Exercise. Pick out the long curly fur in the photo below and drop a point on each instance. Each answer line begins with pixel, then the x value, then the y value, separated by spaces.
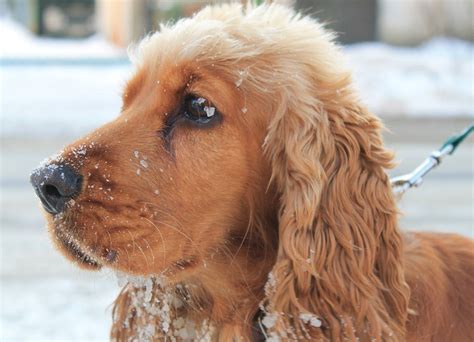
pixel 294 235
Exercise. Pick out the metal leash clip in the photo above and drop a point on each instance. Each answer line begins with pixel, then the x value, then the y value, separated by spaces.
pixel 402 183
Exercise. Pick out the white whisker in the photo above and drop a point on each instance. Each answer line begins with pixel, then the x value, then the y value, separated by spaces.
pixel 162 239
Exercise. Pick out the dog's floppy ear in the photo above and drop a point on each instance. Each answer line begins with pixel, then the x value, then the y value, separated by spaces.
pixel 338 272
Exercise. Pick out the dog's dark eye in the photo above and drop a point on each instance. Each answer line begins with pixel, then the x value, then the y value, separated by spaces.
pixel 199 110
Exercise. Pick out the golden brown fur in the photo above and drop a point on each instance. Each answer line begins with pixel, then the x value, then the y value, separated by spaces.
pixel 290 183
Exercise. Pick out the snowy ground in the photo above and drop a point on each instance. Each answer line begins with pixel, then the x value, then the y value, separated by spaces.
pixel 51 92
pixel 435 79
pixel 59 100
pixel 18 43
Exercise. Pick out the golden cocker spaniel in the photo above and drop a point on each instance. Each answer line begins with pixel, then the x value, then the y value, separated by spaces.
pixel 242 194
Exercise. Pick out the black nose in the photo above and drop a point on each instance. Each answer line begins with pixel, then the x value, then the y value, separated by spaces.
pixel 55 184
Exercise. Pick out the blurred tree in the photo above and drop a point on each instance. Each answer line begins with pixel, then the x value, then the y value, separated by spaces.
pixel 55 18
pixel 66 18
pixel 353 20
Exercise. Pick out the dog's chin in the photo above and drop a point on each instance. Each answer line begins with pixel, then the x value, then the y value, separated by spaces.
pixel 78 254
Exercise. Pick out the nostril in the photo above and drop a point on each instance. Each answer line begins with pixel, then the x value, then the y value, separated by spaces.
pixel 51 191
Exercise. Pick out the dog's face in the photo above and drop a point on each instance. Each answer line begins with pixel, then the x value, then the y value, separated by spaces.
pixel 179 180
pixel 167 184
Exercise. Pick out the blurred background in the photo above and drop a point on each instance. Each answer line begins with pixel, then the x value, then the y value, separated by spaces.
pixel 63 64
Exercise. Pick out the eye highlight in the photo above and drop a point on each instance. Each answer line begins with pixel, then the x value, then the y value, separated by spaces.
pixel 199 110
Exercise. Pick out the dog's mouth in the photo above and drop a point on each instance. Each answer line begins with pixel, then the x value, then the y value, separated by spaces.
pixel 73 249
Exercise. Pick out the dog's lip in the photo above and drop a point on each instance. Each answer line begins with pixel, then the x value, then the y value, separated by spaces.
pixel 74 249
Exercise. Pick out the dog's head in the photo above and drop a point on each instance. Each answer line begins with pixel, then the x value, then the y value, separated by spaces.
pixel 238 121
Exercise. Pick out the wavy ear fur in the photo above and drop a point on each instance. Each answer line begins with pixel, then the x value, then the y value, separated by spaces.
pixel 339 271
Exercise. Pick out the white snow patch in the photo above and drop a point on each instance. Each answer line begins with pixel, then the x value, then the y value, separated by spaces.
pixel 269 320
pixel 310 319
pixel 273 338
pixel 201 100
pixel 210 111
pixel 242 74
pixel 270 284
pixel 154 305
